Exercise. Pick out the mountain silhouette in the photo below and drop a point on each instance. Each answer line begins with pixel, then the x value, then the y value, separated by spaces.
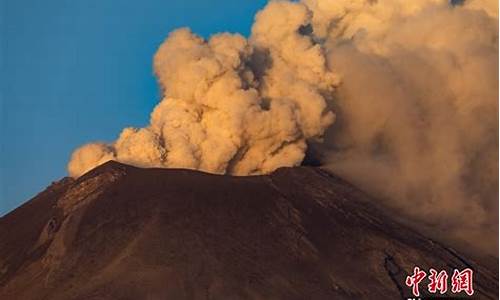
pixel 121 232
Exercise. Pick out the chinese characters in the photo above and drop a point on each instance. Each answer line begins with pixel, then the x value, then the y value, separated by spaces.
pixel 461 281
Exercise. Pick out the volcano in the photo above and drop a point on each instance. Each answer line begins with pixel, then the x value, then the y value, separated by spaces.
pixel 121 232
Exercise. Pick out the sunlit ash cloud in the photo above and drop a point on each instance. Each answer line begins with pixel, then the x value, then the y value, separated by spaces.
pixel 399 97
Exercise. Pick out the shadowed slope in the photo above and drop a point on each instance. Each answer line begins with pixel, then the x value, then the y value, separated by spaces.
pixel 120 232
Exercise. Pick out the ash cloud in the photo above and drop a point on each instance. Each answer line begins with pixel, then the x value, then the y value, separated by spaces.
pixel 399 97
pixel 230 105
pixel 418 110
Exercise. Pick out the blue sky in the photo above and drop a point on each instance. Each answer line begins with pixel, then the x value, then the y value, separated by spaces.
pixel 72 72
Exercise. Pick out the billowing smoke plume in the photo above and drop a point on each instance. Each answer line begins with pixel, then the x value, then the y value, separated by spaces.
pixel 413 85
pixel 231 105
pixel 417 109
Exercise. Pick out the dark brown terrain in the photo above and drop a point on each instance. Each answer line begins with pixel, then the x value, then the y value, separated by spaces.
pixel 121 232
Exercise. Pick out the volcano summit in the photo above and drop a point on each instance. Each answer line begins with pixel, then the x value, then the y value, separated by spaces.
pixel 121 232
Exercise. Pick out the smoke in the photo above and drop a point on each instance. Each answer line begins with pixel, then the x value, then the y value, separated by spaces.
pixel 230 105
pixel 417 109
pixel 413 85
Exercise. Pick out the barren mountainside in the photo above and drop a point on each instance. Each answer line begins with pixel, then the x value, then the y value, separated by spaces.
pixel 120 232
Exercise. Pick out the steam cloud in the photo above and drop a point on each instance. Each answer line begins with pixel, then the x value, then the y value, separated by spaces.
pixel 413 84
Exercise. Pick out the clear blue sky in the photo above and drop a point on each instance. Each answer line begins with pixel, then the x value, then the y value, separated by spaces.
pixel 78 71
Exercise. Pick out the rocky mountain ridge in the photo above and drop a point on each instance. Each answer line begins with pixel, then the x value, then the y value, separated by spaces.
pixel 120 232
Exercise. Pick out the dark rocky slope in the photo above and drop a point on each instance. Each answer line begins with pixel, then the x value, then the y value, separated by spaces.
pixel 121 232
